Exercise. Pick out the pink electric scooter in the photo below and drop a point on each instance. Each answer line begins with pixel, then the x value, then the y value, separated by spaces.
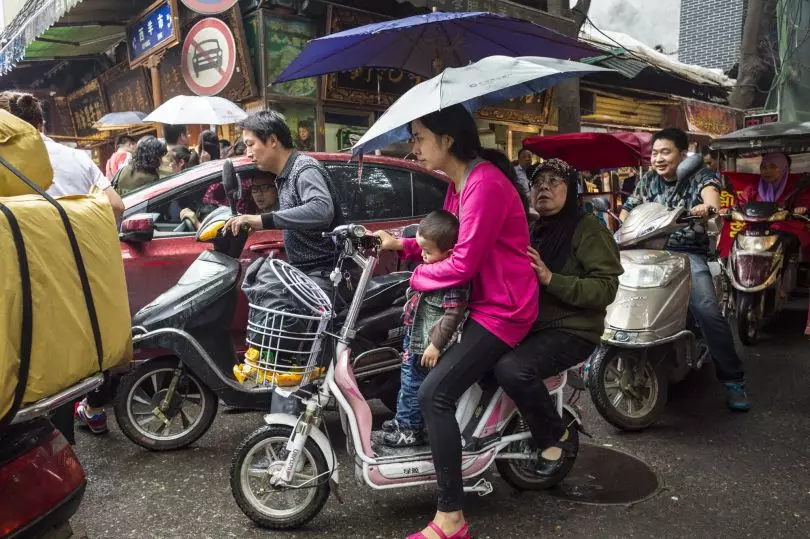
pixel 282 474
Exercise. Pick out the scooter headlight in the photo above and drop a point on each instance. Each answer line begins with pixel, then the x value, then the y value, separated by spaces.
pixel 652 275
pixel 757 243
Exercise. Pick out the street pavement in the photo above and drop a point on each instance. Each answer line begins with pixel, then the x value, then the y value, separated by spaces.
pixel 722 474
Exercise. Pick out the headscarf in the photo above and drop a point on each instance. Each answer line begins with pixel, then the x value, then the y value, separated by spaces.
pixel 553 235
pixel 769 192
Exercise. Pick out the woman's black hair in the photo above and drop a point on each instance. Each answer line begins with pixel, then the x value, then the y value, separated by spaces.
pixel 181 153
pixel 456 122
pixel 209 142
pixel 148 155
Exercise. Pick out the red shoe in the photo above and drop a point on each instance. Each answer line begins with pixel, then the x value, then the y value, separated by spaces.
pixel 463 533
pixel 97 423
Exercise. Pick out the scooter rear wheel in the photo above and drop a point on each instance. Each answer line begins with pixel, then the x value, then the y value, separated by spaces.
pixel 190 412
pixel 519 473
pixel 628 391
pixel 257 458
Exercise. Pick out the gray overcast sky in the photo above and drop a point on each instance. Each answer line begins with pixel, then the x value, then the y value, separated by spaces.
pixel 652 22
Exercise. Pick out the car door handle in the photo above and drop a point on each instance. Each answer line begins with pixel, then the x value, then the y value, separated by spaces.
pixel 264 247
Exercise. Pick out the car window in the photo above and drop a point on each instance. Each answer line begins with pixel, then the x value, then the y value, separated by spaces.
pixel 169 208
pixel 428 194
pixel 382 193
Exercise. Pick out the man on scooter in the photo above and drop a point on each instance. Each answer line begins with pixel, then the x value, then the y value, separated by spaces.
pixel 699 195
pixel 307 201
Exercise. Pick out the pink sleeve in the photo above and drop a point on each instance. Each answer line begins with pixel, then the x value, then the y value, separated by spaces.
pixel 410 249
pixel 483 214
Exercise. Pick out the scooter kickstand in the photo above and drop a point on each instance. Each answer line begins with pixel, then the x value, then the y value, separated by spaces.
pixel 482 487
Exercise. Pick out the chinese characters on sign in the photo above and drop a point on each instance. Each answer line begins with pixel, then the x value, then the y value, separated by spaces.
pixel 153 31
pixel 759 119
pixel 709 119
pixel 86 107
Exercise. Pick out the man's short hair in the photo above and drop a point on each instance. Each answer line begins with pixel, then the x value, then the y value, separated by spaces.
pixel 440 227
pixel 677 136
pixel 706 150
pixel 268 122
pixel 123 140
pixel 524 150
pixel 173 133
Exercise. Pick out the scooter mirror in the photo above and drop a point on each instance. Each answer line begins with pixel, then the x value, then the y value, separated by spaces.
pixel 689 166
pixel 600 204
pixel 231 183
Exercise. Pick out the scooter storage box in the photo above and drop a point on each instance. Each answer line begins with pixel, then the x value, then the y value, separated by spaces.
pixel 43 297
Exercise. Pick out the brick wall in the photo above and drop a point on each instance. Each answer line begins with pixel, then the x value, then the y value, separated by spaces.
pixel 710 32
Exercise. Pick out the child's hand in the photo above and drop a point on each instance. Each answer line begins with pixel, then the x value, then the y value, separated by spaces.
pixel 389 242
pixel 430 357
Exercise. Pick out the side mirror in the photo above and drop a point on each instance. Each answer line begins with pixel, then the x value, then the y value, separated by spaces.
pixel 410 231
pixel 231 183
pixel 139 228
pixel 689 166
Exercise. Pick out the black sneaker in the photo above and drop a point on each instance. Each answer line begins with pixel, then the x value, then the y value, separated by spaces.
pixel 390 425
pixel 404 437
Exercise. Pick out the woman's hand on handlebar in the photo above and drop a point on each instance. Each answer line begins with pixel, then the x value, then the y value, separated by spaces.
pixel 388 242
pixel 801 210
pixel 253 222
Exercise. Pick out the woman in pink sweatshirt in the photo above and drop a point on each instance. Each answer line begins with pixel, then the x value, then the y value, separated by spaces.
pixel 490 255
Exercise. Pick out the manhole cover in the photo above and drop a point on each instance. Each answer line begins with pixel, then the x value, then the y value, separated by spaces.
pixel 607 476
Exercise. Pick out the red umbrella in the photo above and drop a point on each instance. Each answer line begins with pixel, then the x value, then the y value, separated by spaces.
pixel 590 151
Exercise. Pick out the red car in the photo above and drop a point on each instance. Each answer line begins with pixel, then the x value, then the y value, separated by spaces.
pixel 392 193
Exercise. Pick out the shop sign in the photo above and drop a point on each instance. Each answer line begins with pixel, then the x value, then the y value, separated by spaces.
pixel 127 89
pixel 87 106
pixel 532 109
pixel 154 30
pixel 209 57
pixel 709 119
pixel 365 86
pixel 759 119
pixel 284 39
pixel 209 7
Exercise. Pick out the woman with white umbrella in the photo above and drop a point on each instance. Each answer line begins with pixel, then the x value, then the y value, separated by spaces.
pixel 490 255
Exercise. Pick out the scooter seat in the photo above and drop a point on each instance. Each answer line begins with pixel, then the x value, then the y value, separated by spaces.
pixel 385 290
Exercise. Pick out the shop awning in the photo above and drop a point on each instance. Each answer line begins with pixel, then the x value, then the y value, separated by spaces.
pixel 62 29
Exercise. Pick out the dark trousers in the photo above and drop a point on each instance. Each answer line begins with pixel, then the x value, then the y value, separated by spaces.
pixel 458 368
pixel 705 308
pixel 522 371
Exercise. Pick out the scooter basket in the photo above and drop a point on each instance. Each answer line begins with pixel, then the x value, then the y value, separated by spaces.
pixel 285 334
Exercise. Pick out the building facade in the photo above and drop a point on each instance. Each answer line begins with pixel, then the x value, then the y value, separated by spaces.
pixel 711 32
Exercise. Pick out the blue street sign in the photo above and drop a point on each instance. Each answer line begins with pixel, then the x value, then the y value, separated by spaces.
pixel 153 31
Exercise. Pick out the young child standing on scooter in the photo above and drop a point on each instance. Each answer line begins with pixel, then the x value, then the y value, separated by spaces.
pixel 433 321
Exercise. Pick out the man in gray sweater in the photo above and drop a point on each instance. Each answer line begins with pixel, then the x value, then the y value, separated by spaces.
pixel 308 202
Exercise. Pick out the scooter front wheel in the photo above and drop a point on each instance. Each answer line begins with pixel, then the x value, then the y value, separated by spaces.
pixel 281 507
pixel 519 473
pixel 630 392
pixel 141 411
pixel 748 319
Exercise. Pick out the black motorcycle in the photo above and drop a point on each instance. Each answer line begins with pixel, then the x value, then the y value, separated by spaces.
pixel 170 401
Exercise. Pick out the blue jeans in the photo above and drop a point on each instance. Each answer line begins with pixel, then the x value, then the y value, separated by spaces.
pixel 716 331
pixel 412 374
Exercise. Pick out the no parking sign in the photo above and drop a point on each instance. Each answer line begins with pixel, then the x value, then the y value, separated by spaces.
pixel 209 7
pixel 209 57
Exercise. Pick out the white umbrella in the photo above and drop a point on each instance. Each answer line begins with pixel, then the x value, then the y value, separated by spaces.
pixel 197 109
pixel 490 80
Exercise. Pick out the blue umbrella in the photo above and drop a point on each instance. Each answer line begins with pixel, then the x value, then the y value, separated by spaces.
pixel 487 81
pixel 425 44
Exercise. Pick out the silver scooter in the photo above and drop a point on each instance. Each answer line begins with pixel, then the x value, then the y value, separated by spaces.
pixel 650 337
